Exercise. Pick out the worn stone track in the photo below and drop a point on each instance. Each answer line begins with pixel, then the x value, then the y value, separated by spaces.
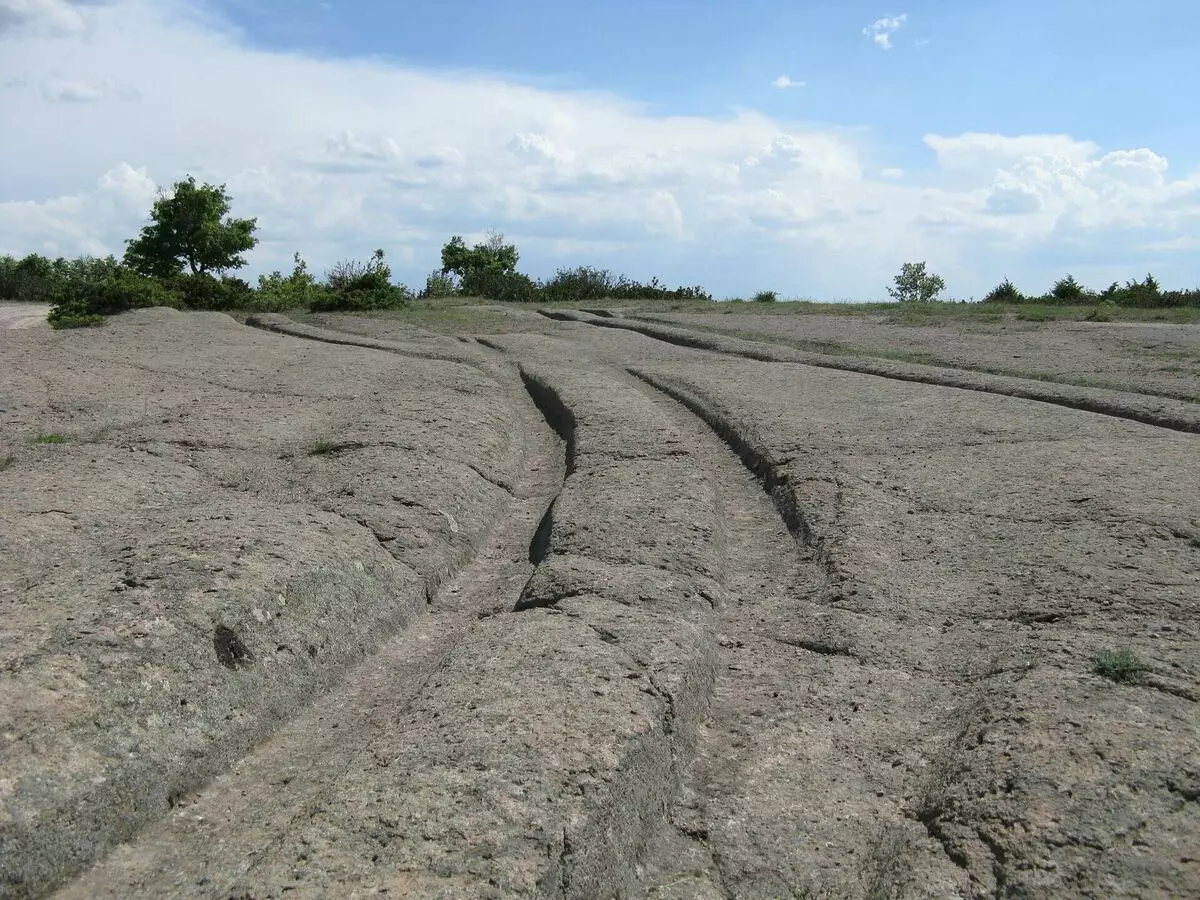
pixel 751 630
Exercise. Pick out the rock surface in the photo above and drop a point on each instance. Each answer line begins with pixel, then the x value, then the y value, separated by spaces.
pixel 602 616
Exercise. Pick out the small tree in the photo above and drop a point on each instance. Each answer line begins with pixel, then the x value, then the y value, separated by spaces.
pixel 915 285
pixel 492 255
pixel 190 228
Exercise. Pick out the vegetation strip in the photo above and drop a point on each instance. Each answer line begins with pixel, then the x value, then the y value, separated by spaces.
pixel 1174 415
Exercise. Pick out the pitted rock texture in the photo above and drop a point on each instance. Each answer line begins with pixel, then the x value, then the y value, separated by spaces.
pixel 681 623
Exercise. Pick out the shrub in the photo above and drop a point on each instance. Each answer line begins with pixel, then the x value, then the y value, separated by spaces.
pixel 355 285
pixel 93 289
pixel 1068 290
pixel 766 297
pixel 50 439
pixel 1004 292
pixel 581 284
pixel 439 284
pixel 915 285
pixel 1123 666
pixel 277 292
pixel 494 284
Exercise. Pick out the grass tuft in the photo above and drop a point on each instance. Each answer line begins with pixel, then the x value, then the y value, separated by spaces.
pixel 53 438
pixel 766 297
pixel 6 461
pixel 1122 666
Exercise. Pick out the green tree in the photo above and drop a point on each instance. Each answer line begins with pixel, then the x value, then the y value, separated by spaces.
pixel 190 228
pixel 492 255
pixel 915 285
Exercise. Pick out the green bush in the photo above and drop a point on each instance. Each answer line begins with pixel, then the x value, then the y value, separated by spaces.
pixel 93 289
pixel 501 286
pixel 1067 290
pixel 1123 666
pixel 1004 292
pixel 766 297
pixel 277 292
pixel 355 285
pixel 583 284
pixel 439 284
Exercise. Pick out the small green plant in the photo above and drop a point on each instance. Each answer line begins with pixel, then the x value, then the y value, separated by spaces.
pixel 915 285
pixel 766 297
pixel 1123 666
pixel 6 461
pixel 52 438
pixel 322 448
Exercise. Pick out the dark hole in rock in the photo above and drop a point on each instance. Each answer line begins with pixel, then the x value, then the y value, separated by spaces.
pixel 232 653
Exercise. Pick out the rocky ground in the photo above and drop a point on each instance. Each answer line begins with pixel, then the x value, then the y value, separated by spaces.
pixel 339 606
pixel 1149 357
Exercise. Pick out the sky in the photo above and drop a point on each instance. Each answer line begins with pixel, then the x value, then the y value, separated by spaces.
pixel 809 148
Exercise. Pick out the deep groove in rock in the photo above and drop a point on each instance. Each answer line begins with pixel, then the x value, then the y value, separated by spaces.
pixel 767 471
pixel 556 413
pixel 967 381
pixel 539 547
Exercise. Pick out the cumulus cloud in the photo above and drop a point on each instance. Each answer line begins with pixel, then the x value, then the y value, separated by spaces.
pixel 783 82
pixel 881 30
pixel 44 16
pixel 336 157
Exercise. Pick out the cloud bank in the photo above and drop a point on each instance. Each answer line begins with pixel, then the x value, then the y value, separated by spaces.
pixel 338 156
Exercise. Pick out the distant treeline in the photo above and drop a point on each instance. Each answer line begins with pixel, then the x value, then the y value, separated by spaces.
pixel 1067 291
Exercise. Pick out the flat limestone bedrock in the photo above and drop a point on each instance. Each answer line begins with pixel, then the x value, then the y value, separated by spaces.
pixel 990 547
pixel 1156 357
pixel 542 752
pixel 1178 415
pixel 180 574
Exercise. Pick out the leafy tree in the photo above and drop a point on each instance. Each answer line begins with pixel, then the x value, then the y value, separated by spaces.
pixel 915 285
pixel 191 228
pixel 492 255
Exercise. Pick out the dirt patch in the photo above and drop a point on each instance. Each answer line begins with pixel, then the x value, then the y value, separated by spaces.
pixel 21 316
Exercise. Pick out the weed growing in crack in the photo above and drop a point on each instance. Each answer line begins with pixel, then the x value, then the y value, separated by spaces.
pixel 53 438
pixel 328 448
pixel 1122 666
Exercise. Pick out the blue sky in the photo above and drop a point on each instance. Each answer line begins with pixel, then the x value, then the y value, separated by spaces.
pixel 808 147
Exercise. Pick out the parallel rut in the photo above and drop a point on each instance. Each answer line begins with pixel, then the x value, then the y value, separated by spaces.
pixel 224 841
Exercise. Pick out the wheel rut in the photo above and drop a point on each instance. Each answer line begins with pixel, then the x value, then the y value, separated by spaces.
pixel 783 796
pixel 229 837
pixel 1175 415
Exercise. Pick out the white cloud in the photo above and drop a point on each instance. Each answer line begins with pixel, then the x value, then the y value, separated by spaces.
pixel 75 91
pixel 881 30
pixel 783 82
pixel 336 157
pixel 45 16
